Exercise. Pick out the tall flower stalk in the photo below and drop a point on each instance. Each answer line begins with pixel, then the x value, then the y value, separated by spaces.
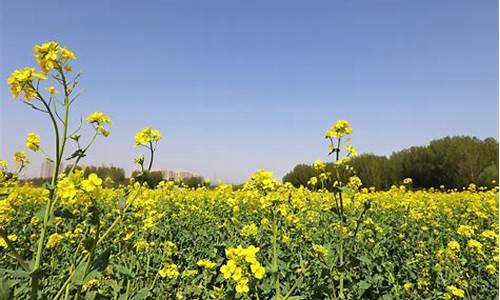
pixel 148 138
pixel 54 62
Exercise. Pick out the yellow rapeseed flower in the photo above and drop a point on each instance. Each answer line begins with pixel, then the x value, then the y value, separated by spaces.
pixel 207 264
pixel 21 81
pixel 98 118
pixel 454 291
pixel 319 250
pixel 54 240
pixel 169 271
pixel 339 129
pixel 33 141
pixel 21 158
pixel 147 135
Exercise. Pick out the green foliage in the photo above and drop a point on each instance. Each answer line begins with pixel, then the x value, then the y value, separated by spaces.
pixel 454 162
pixel 194 182
pixel 489 176
pixel 152 178
pixel 300 175
pixel 374 170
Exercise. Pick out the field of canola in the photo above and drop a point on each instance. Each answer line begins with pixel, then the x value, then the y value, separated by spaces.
pixel 265 240
pixel 75 238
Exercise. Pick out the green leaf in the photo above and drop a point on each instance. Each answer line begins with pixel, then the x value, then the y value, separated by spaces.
pixel 19 273
pixel 6 293
pixel 124 270
pixel 121 203
pixel 79 274
pixel 91 295
pixel 363 286
pixel 91 276
pixel 346 190
pixel 78 153
pixel 141 294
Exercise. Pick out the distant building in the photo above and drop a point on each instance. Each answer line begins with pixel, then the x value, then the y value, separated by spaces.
pixel 47 169
pixel 177 175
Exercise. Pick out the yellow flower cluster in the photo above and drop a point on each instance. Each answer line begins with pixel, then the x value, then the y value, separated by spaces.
pixel 66 188
pixel 475 246
pixel 339 129
pixel 352 152
pixel 261 180
pixel 237 267
pixel 51 55
pixel 98 118
pixel 207 264
pixel 454 291
pixel 21 81
pixel 141 245
pixel 11 238
pixel 170 248
pixel 407 181
pixel 147 135
pixel 91 183
pixel 170 271
pixel 465 231
pixel 69 187
pixel 320 250
pixel 319 166
pixel 249 230
pixel 21 158
pixel 54 240
pixel 33 141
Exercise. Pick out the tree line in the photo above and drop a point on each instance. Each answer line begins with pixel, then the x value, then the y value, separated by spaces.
pixel 115 176
pixel 453 162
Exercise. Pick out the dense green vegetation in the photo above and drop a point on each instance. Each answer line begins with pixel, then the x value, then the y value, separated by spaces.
pixel 451 161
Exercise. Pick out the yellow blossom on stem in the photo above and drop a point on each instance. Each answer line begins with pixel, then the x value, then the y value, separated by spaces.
pixel 21 158
pixel 21 81
pixel 33 141
pixel 339 129
pixel 147 135
pixel 54 240
pixel 52 90
pixel 169 271
pixel 98 118
pixel 91 183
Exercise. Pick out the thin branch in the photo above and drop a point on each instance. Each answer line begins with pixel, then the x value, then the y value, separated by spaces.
pixel 78 128
pixel 74 98
pixel 57 114
pixel 35 107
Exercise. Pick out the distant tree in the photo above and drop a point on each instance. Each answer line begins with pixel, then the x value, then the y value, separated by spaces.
pixel 454 162
pixel 194 182
pixel 113 176
pixel 417 163
pixel 152 178
pixel 489 177
pixel 375 171
pixel 300 175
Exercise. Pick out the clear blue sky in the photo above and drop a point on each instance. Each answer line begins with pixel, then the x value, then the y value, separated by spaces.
pixel 235 86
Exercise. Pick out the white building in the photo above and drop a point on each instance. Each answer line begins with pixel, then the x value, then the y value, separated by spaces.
pixel 47 169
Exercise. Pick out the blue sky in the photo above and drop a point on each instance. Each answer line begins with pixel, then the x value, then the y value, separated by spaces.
pixel 236 86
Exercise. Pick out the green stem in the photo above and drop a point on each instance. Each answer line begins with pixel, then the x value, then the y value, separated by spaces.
pixel 84 150
pixel 90 257
pixel 35 274
pixel 152 155
pixel 275 258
